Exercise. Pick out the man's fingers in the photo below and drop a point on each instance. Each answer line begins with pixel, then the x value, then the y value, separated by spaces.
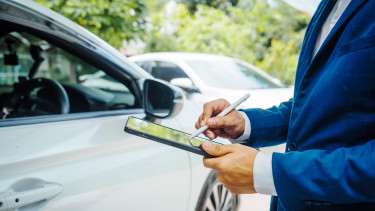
pixel 216 149
pixel 234 166
pixel 200 123
pixel 210 109
pixel 197 125
pixel 213 108
pixel 220 122
pixel 208 163
pixel 209 134
pixel 212 163
pixel 229 126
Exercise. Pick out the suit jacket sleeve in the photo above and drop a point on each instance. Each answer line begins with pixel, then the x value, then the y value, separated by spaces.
pixel 269 127
pixel 342 176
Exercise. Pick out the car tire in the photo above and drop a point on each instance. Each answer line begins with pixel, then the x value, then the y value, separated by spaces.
pixel 215 197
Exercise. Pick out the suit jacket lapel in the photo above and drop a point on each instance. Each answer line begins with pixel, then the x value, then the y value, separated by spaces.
pixel 307 49
pixel 311 36
pixel 340 25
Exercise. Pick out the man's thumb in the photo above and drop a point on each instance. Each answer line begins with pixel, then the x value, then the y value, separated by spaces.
pixel 216 149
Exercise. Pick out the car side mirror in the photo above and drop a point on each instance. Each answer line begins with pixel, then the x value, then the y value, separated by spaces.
pixel 185 84
pixel 160 100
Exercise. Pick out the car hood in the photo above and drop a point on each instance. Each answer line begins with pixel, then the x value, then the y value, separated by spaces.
pixel 259 98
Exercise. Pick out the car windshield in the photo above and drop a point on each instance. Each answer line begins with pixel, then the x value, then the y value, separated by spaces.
pixel 229 74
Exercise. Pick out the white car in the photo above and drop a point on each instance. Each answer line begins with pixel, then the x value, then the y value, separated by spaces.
pixel 65 96
pixel 206 77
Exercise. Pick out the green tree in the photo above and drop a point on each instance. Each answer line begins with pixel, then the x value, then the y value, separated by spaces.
pixel 112 20
pixel 208 31
pixel 266 33
pixel 280 61
pixel 192 5
pixel 267 36
pixel 153 7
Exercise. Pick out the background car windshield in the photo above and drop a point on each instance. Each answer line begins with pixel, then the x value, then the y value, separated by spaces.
pixel 229 74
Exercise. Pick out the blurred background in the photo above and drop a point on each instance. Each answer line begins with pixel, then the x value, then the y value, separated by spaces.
pixel 267 34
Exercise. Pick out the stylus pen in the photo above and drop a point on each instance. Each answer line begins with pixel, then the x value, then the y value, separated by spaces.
pixel 223 113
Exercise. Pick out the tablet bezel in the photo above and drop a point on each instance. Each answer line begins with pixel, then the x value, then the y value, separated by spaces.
pixel 196 150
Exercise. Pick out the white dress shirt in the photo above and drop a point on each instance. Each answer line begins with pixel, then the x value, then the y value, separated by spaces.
pixel 262 170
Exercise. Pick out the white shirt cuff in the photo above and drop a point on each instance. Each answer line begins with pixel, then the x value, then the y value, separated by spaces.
pixel 246 134
pixel 262 174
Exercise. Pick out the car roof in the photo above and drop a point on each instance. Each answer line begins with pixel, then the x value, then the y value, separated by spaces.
pixel 185 56
pixel 180 56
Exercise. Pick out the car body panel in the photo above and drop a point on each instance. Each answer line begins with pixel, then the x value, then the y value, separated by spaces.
pixel 98 165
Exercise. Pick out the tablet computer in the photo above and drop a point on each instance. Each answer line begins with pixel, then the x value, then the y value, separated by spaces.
pixel 166 135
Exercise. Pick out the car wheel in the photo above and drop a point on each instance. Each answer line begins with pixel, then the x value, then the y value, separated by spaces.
pixel 215 197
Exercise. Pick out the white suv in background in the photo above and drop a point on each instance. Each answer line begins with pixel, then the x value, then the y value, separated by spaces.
pixel 206 77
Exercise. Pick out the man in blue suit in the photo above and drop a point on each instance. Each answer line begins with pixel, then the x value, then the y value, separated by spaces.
pixel 328 126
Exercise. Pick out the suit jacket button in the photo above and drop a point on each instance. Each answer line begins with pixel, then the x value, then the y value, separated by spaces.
pixel 292 147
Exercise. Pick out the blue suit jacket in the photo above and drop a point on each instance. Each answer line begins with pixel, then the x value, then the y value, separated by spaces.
pixel 329 125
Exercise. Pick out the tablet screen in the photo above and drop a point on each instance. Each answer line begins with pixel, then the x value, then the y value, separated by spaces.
pixel 163 132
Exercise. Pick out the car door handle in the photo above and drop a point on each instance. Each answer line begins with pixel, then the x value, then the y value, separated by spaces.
pixel 15 200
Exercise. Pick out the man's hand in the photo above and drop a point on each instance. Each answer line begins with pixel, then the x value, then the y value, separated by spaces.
pixel 230 126
pixel 234 166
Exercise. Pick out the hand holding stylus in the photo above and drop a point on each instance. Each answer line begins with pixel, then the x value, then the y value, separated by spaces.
pixel 226 124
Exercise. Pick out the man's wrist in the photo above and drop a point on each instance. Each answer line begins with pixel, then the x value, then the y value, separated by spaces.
pixel 246 134
pixel 262 174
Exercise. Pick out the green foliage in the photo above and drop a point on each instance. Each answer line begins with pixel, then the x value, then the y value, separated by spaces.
pixel 281 61
pixel 267 33
pixel 152 6
pixel 192 5
pixel 269 37
pixel 112 20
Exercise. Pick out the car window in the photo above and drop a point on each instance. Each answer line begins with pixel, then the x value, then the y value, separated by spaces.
pixel 144 65
pixel 215 73
pixel 24 57
pixel 166 70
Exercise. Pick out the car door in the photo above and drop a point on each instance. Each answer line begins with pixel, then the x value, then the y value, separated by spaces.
pixel 82 160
